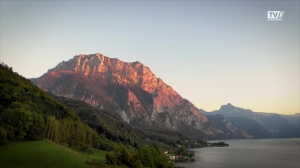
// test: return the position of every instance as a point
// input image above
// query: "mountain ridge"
(263, 125)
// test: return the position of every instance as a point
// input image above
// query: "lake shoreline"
(248, 153)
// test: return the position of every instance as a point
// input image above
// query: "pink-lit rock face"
(130, 87)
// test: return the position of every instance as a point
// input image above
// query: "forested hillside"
(111, 127)
(28, 113)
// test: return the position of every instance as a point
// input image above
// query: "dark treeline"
(152, 157)
(218, 144)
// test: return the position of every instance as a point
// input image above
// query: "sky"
(211, 52)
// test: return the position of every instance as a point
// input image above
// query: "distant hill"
(231, 111)
(293, 119)
(259, 125)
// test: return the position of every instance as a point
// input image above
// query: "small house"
(172, 157)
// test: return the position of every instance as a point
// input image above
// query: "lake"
(249, 153)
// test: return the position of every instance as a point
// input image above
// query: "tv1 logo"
(275, 15)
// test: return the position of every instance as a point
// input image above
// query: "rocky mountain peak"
(228, 106)
(130, 88)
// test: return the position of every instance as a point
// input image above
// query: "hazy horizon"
(211, 53)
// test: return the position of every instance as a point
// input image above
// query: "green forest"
(27, 113)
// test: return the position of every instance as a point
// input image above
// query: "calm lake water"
(254, 153)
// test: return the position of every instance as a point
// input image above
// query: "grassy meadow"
(44, 153)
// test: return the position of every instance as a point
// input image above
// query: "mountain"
(227, 127)
(257, 124)
(29, 114)
(231, 111)
(294, 119)
(128, 89)
(250, 126)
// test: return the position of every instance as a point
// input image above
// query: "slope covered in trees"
(28, 113)
(113, 128)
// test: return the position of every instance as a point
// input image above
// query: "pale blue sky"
(211, 53)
